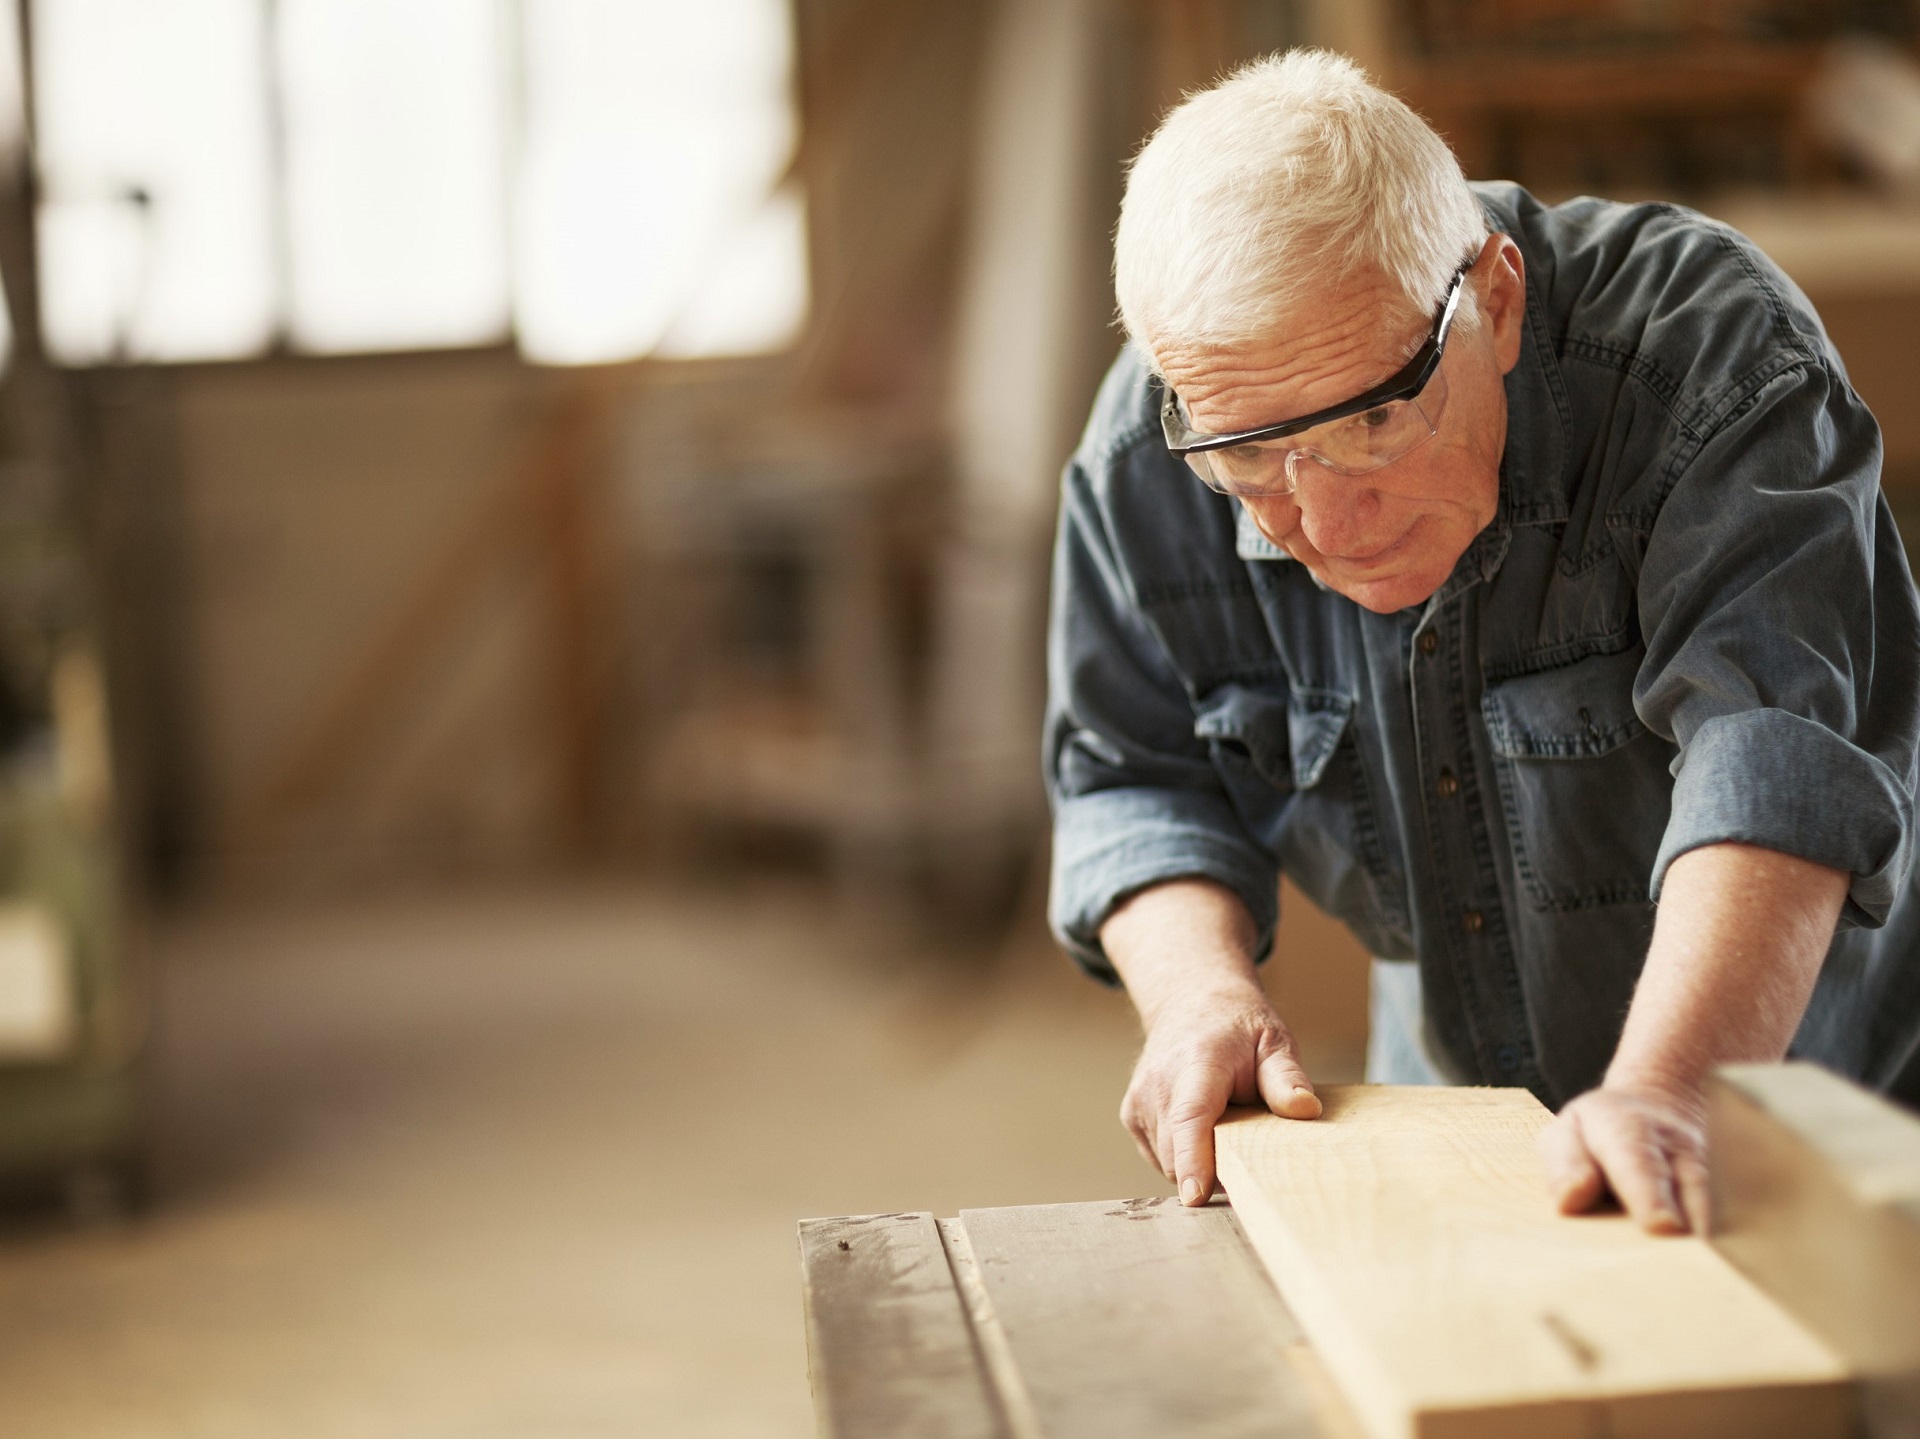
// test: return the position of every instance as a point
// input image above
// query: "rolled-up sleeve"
(1136, 800)
(1783, 641)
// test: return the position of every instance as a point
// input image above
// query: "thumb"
(1284, 1086)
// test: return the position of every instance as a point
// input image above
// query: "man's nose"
(1332, 512)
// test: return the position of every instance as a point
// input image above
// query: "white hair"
(1296, 170)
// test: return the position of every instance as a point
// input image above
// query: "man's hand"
(1737, 945)
(1204, 1051)
(1647, 1146)
(1185, 952)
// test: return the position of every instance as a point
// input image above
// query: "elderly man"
(1494, 571)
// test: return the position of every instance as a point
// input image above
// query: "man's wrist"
(1680, 1082)
(1181, 943)
(1212, 994)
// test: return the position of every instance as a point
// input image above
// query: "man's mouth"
(1364, 558)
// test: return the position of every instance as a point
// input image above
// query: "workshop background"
(523, 537)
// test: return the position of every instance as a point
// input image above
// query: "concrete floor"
(528, 1165)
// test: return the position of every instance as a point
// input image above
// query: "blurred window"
(656, 134)
(604, 180)
(155, 222)
(395, 141)
(13, 134)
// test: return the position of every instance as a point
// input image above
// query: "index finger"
(1199, 1099)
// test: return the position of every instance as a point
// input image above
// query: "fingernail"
(1189, 1191)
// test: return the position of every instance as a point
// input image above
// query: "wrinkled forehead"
(1337, 342)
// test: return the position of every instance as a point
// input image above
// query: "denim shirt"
(1690, 621)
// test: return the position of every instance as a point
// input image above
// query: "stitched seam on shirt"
(1783, 324)
(1735, 401)
(1557, 656)
(1389, 893)
(1186, 591)
(1626, 892)
(1206, 681)
(1662, 385)
(1544, 896)
(1572, 566)
(1128, 438)
(1738, 397)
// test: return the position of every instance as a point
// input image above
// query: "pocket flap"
(1574, 712)
(1315, 721)
(1289, 737)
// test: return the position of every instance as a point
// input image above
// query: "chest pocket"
(1290, 764)
(1285, 740)
(1584, 784)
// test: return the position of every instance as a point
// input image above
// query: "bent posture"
(1515, 579)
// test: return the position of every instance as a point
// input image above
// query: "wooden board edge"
(1361, 1382)
(1818, 1404)
(1809, 1410)
(1822, 1222)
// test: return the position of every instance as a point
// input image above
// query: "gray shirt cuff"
(1771, 778)
(1114, 842)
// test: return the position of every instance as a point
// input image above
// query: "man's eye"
(1378, 417)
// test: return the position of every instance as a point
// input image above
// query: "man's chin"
(1385, 594)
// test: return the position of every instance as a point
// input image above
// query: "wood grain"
(1410, 1231)
(996, 1354)
(1816, 1196)
(888, 1344)
(1139, 1318)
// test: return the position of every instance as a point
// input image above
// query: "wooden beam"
(888, 1344)
(1678, 82)
(1410, 1231)
(1816, 1195)
(1139, 1318)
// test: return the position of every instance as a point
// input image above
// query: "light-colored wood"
(1139, 1318)
(1816, 1194)
(1410, 1231)
(889, 1347)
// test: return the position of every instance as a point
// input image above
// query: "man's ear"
(1503, 297)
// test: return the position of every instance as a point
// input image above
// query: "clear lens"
(1355, 445)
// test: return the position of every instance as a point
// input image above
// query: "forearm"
(1736, 949)
(1738, 943)
(1185, 941)
(1184, 949)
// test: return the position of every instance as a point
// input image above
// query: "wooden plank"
(1410, 1231)
(888, 1345)
(1141, 1318)
(1816, 1196)
(996, 1354)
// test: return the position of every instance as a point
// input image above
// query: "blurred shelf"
(1831, 244)
(1630, 79)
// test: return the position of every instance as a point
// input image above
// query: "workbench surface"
(1107, 1320)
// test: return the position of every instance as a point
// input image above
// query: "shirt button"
(1429, 642)
(1446, 786)
(1507, 1057)
(1472, 921)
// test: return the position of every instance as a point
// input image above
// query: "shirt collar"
(1248, 542)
